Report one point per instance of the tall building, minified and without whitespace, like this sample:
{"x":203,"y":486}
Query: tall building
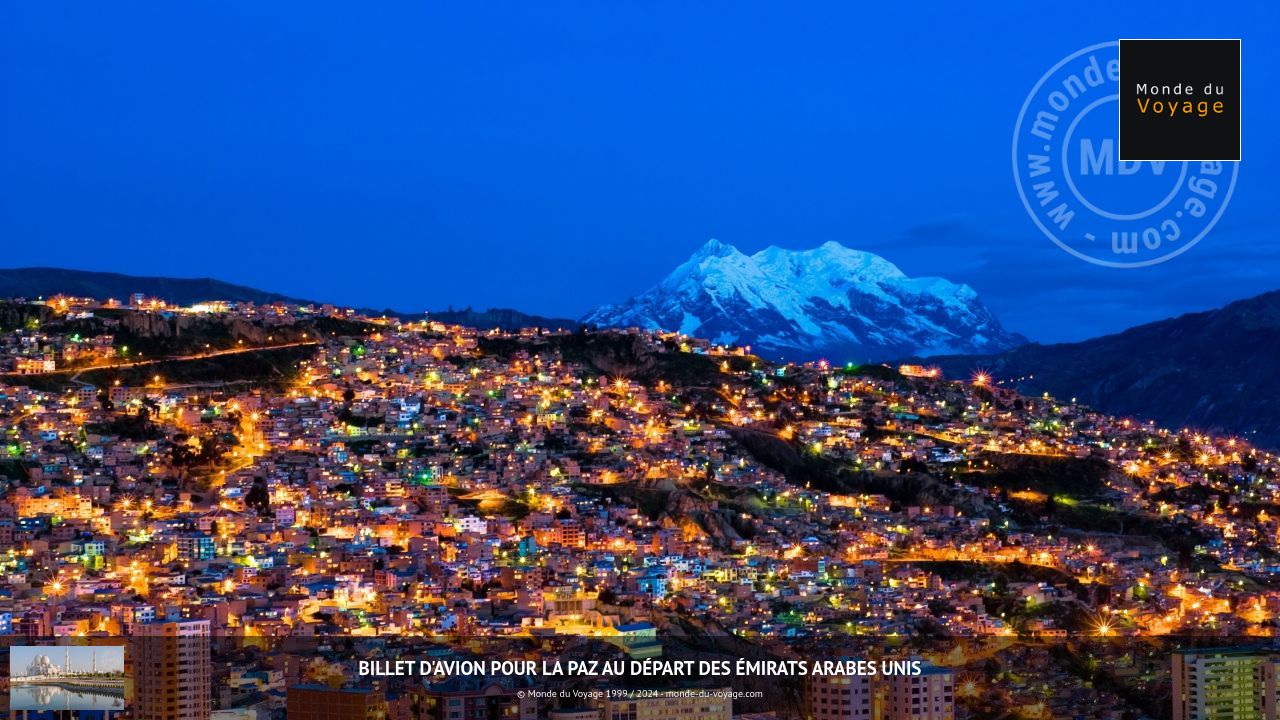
{"x":196,"y":546}
{"x":670,"y":705}
{"x":1269,"y":688}
{"x":1222,"y":684}
{"x":579,"y":713}
{"x":839,"y":697}
{"x":171,"y":670}
{"x":927,"y":696}
{"x":320,"y":702}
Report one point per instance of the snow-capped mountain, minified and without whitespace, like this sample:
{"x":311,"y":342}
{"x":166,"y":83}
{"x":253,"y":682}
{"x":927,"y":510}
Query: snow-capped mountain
{"x":829,"y":302}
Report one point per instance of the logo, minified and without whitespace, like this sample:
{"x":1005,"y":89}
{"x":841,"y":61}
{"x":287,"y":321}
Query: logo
{"x":1180,"y":100}
{"x":1070,"y":178}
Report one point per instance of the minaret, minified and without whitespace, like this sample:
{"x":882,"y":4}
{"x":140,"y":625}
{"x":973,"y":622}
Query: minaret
{"x":95,"y":661}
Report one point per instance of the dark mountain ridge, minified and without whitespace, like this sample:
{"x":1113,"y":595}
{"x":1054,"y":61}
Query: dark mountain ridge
{"x":1217,"y":371}
{"x":38,"y":282}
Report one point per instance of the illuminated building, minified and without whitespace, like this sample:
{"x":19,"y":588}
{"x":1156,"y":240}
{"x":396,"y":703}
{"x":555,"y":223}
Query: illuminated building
{"x":919,"y":371}
{"x":686,"y":704}
{"x":1219,"y":684}
{"x":927,"y":696}
{"x":171,"y":669}
{"x":575,"y":714}
{"x":472,"y":698}
{"x":320,"y":702}
{"x":196,"y":547}
{"x":839,"y":697}
{"x":1269,"y":688}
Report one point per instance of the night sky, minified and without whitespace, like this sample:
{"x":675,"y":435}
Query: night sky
{"x":555,"y":156}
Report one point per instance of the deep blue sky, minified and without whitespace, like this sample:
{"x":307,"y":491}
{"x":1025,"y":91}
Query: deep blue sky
{"x":555,"y":156}
{"x":82,"y":658}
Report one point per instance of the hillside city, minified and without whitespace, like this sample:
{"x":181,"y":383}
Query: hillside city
{"x":267,"y":473}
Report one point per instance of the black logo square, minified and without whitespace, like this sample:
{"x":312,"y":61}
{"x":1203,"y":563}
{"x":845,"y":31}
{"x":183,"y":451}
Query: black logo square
{"x":1179,"y":100}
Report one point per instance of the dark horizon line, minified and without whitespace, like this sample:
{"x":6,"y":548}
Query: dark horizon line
{"x":563,"y":322}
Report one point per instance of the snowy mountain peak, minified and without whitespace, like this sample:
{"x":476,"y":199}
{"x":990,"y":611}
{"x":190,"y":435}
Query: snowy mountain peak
{"x":714,"y":248}
{"x":830,"y":301}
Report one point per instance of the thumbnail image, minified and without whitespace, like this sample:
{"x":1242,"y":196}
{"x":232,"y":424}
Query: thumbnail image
{"x":65,"y":677}
{"x":117,"y":714}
